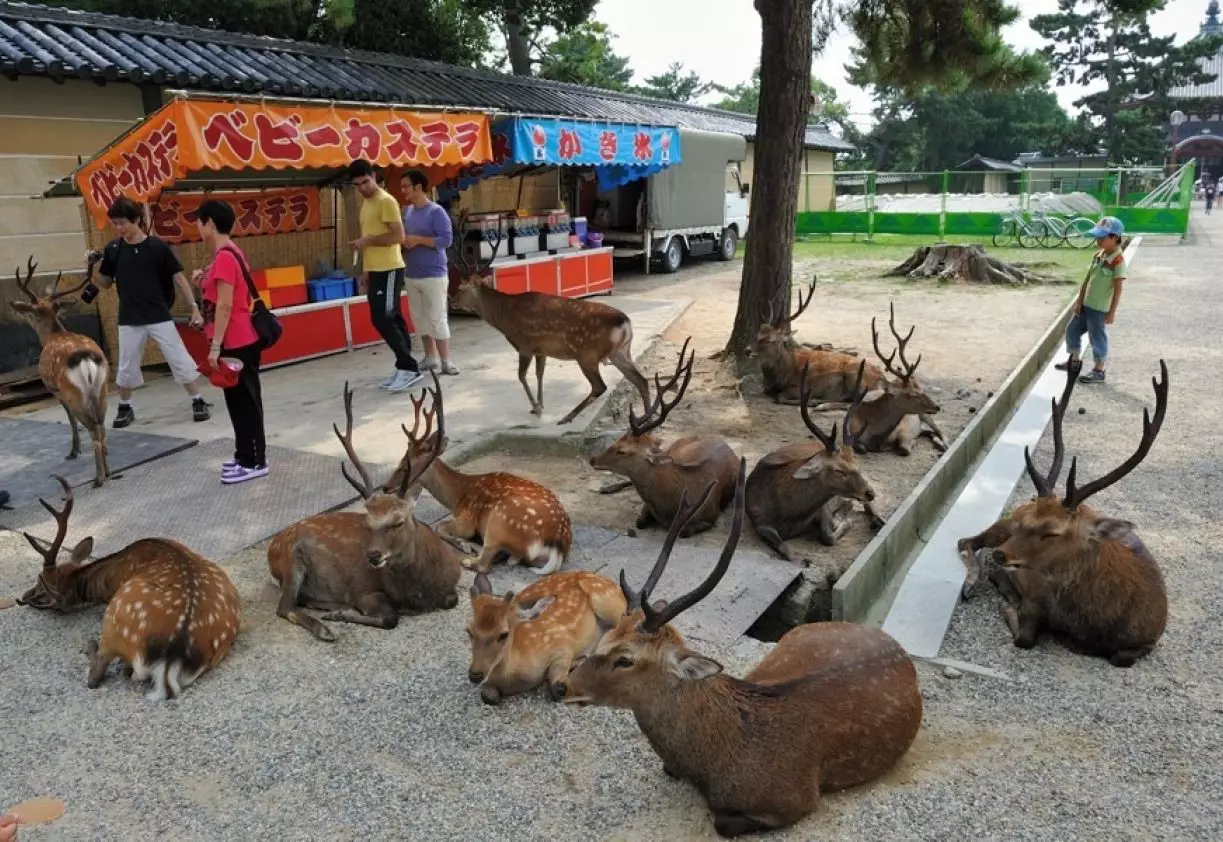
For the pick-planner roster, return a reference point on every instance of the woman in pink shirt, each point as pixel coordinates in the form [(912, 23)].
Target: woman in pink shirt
[(226, 287)]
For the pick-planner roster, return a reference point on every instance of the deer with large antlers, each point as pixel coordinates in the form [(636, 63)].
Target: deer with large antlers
[(661, 474), (810, 485), (1064, 568), (365, 568), (519, 641), (171, 614), (516, 520), (540, 325), (832, 706), (71, 365)]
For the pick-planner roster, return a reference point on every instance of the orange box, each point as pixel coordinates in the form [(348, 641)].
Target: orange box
[(573, 275), (512, 280), (542, 277), (285, 276)]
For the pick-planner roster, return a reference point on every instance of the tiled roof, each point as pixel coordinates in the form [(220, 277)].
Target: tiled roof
[(977, 162), (1210, 89), (62, 43)]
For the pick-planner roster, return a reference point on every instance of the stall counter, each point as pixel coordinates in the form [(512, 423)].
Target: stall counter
[(569, 274)]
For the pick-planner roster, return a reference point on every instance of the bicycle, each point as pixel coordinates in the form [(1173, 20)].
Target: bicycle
[(1075, 233), (1014, 227)]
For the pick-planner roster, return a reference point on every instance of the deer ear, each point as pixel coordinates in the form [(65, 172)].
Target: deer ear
[(22, 306), (873, 395), (809, 469), (689, 666), (82, 551), (1111, 529), (529, 611), (481, 586)]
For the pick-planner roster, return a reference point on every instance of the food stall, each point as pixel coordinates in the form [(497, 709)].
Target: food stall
[(280, 166)]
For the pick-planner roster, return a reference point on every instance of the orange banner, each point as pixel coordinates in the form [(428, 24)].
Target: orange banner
[(269, 212), (187, 136)]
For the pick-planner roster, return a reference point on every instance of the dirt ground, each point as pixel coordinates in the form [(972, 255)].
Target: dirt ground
[(970, 338)]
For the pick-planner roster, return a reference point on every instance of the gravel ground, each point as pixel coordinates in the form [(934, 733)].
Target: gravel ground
[(380, 736)]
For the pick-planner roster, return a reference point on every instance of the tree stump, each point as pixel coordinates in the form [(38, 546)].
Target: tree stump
[(964, 262)]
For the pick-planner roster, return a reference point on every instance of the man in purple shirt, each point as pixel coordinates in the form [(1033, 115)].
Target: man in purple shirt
[(427, 234)]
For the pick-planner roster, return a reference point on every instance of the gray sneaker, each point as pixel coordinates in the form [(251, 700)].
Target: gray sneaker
[(448, 367), (430, 364), (405, 380), (386, 384)]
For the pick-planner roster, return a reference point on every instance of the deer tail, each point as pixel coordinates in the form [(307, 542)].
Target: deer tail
[(88, 372), (551, 556)]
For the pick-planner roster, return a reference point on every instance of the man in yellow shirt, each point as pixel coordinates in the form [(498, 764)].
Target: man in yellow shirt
[(382, 272)]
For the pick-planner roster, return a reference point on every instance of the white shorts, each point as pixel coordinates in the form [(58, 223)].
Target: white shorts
[(427, 298), (131, 352)]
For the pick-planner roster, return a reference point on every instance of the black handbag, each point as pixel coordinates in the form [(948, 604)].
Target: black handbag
[(267, 326)]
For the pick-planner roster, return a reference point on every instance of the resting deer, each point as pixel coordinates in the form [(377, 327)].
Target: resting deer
[(171, 614), (71, 365), (514, 518), (894, 413), (521, 641), (833, 705), (810, 485), (364, 568), (660, 474), (1065, 568), (540, 326)]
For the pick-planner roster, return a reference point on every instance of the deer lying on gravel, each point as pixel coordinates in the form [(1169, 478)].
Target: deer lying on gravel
[(514, 518), (833, 705), (171, 614), (519, 642), (72, 366), (364, 568), (540, 325), (810, 485), (661, 474), (1066, 569)]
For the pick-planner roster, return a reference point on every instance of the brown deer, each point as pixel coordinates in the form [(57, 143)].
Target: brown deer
[(521, 641), (72, 366), (810, 485), (514, 518), (540, 326), (660, 474), (833, 705), (1066, 569), (364, 568), (894, 413), (171, 614)]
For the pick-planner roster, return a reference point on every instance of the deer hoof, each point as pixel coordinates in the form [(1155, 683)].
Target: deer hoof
[(325, 634), (557, 690), (490, 695)]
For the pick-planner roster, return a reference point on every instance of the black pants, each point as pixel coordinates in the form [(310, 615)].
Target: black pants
[(383, 294), (245, 404)]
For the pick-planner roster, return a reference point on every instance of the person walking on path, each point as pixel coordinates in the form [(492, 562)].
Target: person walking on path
[(1211, 188), (381, 247), (427, 234), (146, 273), (1099, 296), (226, 285)]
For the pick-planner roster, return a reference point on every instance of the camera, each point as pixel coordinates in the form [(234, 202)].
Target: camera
[(89, 293)]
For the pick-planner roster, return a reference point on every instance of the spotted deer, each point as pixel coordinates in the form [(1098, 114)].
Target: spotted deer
[(71, 365), (521, 641), (171, 614), (832, 706), (539, 325), (810, 485), (660, 474), (364, 567), (1064, 568), (516, 520)]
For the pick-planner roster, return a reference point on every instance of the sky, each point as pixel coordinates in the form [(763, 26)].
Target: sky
[(725, 46)]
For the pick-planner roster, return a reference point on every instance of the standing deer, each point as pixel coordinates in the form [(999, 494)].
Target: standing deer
[(514, 518), (661, 474), (833, 705), (540, 325), (71, 365), (810, 485), (519, 642), (1065, 568), (364, 568), (171, 614)]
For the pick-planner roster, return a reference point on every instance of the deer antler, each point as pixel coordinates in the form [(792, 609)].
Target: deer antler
[(460, 253), (411, 474), (901, 343), (802, 304), (1075, 497), (655, 619), (658, 410), (24, 286), (859, 393), (1044, 485), (55, 296), (829, 440), (50, 552), (364, 487)]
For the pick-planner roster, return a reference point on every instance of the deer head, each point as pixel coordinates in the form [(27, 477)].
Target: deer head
[(643, 657), (54, 588), (468, 296), (835, 467), (493, 621), (42, 312), (1050, 527), (638, 444), (388, 511), (905, 388), (778, 331)]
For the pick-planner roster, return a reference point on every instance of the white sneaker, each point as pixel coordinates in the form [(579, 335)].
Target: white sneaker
[(430, 364), (385, 384), (405, 380), (448, 367)]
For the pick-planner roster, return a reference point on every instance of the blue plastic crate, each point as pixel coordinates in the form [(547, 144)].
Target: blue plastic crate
[(329, 289)]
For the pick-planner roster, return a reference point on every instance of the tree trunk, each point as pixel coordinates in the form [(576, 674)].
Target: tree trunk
[(517, 40), (781, 124), (964, 263)]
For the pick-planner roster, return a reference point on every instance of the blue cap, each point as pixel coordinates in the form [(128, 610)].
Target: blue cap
[(1108, 225)]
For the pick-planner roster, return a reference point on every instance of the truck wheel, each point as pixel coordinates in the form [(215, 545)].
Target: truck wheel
[(673, 256), (728, 245)]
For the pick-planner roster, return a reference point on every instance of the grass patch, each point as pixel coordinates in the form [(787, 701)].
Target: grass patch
[(886, 252)]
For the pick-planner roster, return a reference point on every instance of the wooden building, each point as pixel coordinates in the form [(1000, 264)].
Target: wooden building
[(1201, 135)]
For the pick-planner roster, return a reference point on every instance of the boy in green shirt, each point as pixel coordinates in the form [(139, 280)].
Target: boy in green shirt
[(1098, 299)]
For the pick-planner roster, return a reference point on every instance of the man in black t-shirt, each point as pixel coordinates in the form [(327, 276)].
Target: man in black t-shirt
[(147, 273)]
